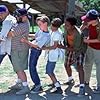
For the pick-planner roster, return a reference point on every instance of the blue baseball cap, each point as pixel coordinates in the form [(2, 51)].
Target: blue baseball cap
[(3, 8), (21, 12), (91, 15)]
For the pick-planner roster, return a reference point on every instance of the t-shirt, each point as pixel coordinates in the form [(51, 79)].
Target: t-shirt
[(93, 35), (70, 39), (41, 38), (54, 53)]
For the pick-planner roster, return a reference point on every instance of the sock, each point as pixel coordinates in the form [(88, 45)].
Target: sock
[(57, 84), (70, 78), (18, 81), (25, 83), (82, 85)]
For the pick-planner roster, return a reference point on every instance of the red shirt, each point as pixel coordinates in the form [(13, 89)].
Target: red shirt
[(93, 35)]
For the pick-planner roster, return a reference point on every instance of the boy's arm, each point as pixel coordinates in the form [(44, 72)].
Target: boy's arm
[(51, 47), (24, 40), (10, 34), (5, 29), (91, 41), (31, 36)]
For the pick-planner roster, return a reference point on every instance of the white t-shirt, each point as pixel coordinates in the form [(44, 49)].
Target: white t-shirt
[(53, 54)]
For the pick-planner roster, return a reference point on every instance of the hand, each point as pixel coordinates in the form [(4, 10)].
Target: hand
[(70, 49), (24, 40), (10, 34), (86, 41)]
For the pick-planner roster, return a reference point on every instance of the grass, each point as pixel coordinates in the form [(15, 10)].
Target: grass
[(8, 76)]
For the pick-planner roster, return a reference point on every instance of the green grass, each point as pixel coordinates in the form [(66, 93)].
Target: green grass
[(35, 28), (8, 76)]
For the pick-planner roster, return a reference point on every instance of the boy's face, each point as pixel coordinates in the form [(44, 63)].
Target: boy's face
[(42, 25), (68, 26), (21, 19), (85, 24), (53, 28), (92, 22)]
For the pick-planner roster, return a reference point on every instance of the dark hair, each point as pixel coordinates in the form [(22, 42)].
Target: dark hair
[(71, 20), (56, 22)]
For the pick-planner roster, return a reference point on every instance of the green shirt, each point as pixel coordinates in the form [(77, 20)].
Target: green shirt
[(79, 45)]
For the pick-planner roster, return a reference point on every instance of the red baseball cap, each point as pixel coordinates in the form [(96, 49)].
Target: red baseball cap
[(91, 15)]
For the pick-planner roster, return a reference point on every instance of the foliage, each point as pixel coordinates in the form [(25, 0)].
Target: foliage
[(91, 4)]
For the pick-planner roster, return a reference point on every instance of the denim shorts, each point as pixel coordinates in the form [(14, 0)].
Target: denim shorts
[(50, 67)]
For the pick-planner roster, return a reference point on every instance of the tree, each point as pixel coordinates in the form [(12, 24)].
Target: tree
[(91, 4)]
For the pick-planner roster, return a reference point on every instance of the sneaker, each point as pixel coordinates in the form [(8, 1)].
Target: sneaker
[(81, 91), (78, 85), (24, 90), (97, 91), (70, 82), (57, 90), (17, 86), (37, 89)]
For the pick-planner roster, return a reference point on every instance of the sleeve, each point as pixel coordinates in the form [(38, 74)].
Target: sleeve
[(5, 28), (78, 40)]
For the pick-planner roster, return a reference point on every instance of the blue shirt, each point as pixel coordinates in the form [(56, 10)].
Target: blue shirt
[(41, 38)]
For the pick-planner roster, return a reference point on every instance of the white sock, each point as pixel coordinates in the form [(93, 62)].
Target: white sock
[(18, 81), (70, 78), (82, 85), (57, 84), (25, 83)]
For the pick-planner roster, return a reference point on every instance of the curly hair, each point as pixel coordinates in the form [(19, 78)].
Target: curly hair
[(71, 20)]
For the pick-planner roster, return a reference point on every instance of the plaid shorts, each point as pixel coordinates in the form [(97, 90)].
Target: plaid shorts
[(71, 58)]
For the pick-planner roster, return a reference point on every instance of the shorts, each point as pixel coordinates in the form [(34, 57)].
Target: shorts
[(19, 60), (50, 67), (71, 58)]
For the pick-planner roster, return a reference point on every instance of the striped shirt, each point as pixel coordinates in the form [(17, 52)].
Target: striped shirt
[(20, 31)]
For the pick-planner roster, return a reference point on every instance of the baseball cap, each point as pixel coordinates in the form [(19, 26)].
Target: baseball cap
[(91, 15), (21, 12), (3, 8)]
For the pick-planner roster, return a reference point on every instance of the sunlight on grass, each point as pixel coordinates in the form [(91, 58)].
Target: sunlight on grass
[(8, 76)]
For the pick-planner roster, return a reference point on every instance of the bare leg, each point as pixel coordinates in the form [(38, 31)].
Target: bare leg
[(53, 78), (22, 76), (68, 70), (81, 74)]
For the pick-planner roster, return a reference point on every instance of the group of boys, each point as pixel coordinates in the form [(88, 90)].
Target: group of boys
[(14, 42)]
